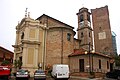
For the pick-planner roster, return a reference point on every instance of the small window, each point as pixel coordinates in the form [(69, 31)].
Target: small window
[(100, 29), (22, 36), (107, 65), (89, 34), (82, 35), (88, 18), (99, 64), (81, 18), (68, 36)]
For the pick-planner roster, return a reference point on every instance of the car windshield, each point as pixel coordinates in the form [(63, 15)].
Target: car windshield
[(39, 71), (22, 71)]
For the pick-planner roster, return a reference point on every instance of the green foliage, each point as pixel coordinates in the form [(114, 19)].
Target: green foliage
[(15, 63), (117, 60), (18, 63), (5, 63)]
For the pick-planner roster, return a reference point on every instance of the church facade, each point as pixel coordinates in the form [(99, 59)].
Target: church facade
[(47, 41)]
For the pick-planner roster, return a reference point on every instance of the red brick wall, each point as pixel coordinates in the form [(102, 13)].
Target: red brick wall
[(101, 23)]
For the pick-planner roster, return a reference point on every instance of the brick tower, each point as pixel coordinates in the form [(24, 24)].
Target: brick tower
[(102, 30), (84, 29)]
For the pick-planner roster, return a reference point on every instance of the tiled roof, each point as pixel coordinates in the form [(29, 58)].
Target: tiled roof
[(6, 50), (54, 19), (81, 51)]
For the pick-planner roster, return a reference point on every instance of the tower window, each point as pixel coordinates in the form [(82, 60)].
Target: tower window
[(82, 35), (68, 36), (89, 34), (88, 17), (81, 18)]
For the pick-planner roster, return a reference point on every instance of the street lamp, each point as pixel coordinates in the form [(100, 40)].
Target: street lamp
[(90, 53), (89, 61), (93, 51)]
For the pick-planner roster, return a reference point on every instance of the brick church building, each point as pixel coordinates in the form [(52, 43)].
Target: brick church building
[(47, 41)]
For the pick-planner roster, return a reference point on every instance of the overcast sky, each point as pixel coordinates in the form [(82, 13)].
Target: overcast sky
[(12, 11)]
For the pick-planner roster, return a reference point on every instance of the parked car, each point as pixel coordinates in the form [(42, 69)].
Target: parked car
[(39, 74), (60, 71), (5, 72), (115, 74), (20, 74)]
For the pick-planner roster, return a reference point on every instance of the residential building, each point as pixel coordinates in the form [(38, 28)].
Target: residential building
[(6, 54)]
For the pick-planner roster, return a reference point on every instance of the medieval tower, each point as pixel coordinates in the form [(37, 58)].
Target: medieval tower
[(102, 30)]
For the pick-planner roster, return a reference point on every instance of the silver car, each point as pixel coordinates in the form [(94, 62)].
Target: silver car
[(39, 74), (20, 74)]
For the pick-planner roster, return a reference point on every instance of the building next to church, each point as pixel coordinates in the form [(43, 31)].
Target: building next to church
[(102, 31), (47, 41), (5, 54)]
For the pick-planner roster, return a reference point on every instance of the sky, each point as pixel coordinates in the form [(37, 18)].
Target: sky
[(12, 11)]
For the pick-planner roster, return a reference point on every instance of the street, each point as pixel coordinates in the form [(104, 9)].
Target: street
[(71, 78), (49, 78)]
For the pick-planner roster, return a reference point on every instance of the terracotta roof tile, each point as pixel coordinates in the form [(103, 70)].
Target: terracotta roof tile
[(81, 51)]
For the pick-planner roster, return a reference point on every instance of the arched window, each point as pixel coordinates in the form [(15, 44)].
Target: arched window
[(68, 36), (81, 18), (22, 36)]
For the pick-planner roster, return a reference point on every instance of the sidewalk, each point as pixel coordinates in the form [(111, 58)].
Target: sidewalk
[(84, 78)]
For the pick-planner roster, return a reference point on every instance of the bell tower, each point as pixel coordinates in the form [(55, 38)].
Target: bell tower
[(84, 30)]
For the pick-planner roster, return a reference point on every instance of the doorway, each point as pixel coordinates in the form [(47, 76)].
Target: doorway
[(81, 65)]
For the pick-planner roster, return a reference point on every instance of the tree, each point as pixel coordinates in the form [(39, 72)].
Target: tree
[(117, 60), (18, 63), (5, 63)]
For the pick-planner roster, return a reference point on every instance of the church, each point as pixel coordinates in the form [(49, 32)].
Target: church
[(46, 41)]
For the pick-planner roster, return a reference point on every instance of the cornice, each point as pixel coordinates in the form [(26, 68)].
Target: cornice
[(30, 42)]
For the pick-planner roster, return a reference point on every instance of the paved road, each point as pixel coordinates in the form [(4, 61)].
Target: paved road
[(49, 78)]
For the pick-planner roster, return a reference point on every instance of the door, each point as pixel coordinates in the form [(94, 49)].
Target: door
[(81, 65), (111, 66)]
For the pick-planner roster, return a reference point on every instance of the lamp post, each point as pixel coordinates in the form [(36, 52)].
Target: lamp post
[(90, 59)]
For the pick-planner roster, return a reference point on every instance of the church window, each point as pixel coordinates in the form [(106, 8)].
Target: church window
[(22, 36), (81, 18), (68, 36)]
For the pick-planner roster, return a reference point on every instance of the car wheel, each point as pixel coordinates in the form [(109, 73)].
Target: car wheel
[(118, 78), (107, 76), (17, 78)]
